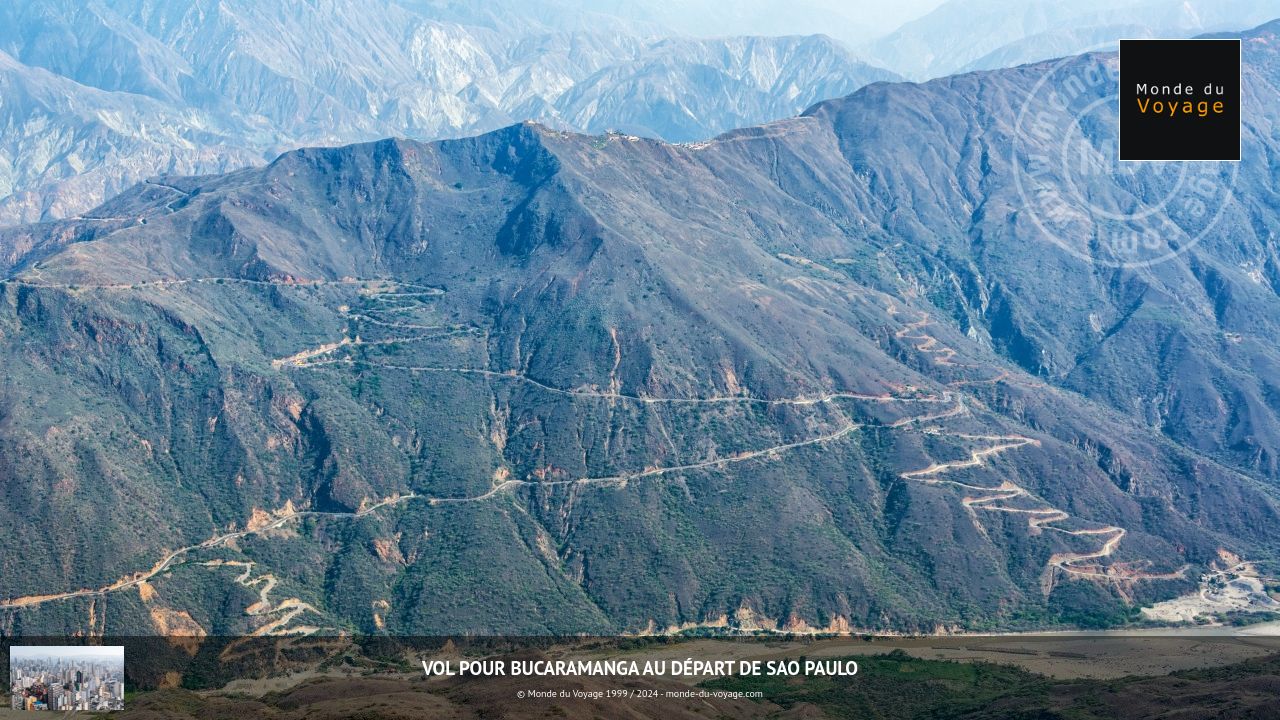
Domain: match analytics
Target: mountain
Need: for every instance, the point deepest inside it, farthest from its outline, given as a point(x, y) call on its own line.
point(685, 90)
point(831, 372)
point(102, 95)
point(964, 35)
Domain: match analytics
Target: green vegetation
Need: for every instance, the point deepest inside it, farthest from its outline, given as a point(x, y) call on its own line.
point(782, 387)
point(898, 686)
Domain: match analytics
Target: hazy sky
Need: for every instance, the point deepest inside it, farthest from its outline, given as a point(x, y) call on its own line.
point(987, 23)
point(849, 20)
point(852, 21)
point(103, 652)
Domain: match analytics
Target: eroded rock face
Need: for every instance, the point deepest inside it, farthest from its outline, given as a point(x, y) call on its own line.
point(99, 97)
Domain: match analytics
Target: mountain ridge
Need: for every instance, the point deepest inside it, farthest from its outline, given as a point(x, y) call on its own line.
point(800, 376)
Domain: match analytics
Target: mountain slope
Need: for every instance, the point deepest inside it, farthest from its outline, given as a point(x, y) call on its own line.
point(1179, 344)
point(800, 376)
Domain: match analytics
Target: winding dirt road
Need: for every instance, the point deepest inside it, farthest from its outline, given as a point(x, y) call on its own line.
point(997, 499)
point(1000, 498)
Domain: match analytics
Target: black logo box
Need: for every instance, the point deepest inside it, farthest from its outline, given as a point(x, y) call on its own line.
point(1186, 65)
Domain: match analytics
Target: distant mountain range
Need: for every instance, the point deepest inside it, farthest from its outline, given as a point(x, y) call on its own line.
point(965, 35)
point(831, 372)
point(99, 95)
